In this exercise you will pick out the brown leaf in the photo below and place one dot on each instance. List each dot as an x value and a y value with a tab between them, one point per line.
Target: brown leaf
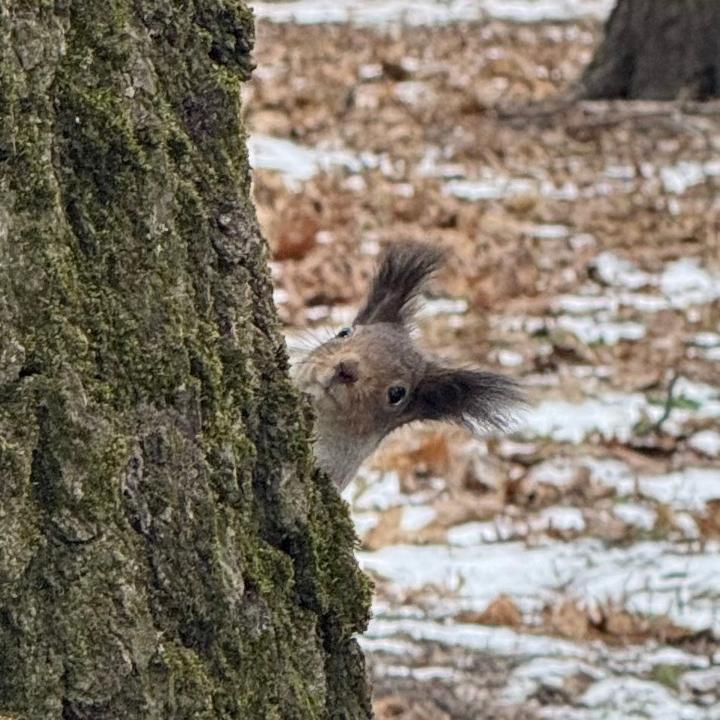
501	612
568	620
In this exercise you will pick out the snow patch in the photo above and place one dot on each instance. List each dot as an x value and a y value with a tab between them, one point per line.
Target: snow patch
417	517
509	358
495	640
652	578
388	646
443	306
376	491
591	330
299	163
677	179
688	489
618	272
636	515
548	232
569	519
364	522
495	188
706	442
479	533
615	415
612	416
427	12
685	283
642	698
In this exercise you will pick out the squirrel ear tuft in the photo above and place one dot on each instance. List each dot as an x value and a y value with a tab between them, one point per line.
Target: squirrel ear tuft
401	275
476	399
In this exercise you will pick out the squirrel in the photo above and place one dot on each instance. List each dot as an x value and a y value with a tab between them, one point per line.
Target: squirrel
371	378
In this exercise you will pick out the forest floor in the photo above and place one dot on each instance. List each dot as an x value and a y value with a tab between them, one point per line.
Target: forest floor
571	570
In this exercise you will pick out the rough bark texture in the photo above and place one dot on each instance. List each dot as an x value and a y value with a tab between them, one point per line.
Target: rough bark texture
166	550
658	50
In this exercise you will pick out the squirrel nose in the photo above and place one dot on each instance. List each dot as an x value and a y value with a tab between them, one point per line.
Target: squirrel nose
347	372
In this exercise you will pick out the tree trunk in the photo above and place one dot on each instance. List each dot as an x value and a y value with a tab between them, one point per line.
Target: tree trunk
166	549
658	51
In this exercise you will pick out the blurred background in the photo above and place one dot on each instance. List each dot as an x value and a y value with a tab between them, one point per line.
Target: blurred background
570	570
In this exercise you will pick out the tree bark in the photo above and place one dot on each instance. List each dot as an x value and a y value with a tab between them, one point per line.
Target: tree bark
658	51
166	547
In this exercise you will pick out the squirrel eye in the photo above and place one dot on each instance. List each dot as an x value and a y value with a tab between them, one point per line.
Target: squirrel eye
345	332
396	393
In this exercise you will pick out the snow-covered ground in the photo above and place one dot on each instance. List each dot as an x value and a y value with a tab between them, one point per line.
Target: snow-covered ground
572	570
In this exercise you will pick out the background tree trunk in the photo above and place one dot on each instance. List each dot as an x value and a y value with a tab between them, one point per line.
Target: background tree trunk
165	549
658	51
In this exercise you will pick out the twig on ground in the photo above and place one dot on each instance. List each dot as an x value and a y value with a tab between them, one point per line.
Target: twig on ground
668	402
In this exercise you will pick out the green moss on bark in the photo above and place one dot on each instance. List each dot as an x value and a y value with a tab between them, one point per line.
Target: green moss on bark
166	548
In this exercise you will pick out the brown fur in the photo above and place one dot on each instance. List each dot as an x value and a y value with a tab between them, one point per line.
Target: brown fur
353	379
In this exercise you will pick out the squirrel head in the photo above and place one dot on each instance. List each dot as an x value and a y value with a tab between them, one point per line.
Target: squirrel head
371	378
